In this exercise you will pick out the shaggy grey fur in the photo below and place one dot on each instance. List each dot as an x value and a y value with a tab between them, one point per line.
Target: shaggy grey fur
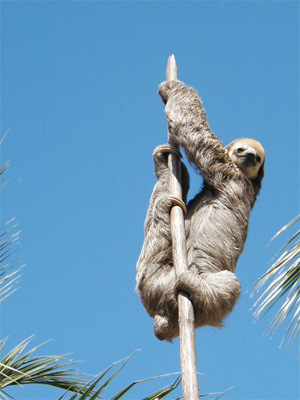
216	222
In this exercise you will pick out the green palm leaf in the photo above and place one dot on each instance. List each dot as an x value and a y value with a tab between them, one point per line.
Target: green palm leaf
96	386
20	368
285	286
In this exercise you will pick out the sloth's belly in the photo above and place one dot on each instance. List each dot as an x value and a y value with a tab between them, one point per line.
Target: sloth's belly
215	237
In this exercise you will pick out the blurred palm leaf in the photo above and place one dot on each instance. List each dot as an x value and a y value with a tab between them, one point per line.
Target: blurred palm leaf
99	383
9	241
285	272
22	368
98	387
9	269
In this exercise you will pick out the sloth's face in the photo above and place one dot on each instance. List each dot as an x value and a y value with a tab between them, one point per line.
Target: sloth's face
248	155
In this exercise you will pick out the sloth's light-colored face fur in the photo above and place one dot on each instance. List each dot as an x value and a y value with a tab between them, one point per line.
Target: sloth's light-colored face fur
248	155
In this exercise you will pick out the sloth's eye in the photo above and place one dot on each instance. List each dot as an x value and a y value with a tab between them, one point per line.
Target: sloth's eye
258	159
240	150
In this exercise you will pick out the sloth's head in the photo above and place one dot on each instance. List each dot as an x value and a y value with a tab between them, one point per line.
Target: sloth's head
249	156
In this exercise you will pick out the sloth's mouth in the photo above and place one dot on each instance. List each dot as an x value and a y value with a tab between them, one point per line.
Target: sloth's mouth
248	160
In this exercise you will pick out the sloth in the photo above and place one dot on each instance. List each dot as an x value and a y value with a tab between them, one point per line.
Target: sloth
216	221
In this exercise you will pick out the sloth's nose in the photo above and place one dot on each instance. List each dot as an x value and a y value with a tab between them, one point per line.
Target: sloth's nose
250	156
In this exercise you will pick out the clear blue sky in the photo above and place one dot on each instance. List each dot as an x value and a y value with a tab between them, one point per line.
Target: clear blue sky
79	97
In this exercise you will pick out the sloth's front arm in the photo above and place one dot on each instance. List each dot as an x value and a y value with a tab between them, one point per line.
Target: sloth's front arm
190	129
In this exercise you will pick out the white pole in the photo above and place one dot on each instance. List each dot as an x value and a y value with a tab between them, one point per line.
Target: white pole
185	307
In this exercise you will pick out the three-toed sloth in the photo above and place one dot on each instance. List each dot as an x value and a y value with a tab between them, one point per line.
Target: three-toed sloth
216	222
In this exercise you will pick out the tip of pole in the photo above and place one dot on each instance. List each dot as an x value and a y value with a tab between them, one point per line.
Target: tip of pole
171	73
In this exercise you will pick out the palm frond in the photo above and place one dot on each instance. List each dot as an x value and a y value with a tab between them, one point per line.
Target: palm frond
9	267
20	367
3	167
161	392
285	287
164	392
96	386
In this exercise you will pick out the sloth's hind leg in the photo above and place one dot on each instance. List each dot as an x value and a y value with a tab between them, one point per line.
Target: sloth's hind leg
165	328
164	304
213	295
